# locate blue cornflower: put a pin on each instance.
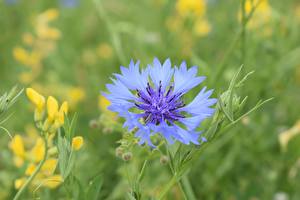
(151, 100)
(69, 3)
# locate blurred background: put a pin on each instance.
(70, 48)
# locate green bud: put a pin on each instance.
(164, 159)
(127, 156)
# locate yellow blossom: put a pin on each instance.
(17, 146)
(77, 143)
(53, 181)
(202, 27)
(38, 151)
(30, 169)
(75, 95)
(21, 55)
(37, 99)
(28, 39)
(286, 136)
(104, 51)
(261, 15)
(49, 167)
(19, 183)
(191, 7)
(52, 108)
(50, 14)
(103, 103)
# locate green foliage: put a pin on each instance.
(242, 158)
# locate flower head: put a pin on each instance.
(151, 100)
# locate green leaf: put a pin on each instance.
(94, 188)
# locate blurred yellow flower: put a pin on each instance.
(202, 27)
(262, 14)
(286, 136)
(17, 147)
(35, 98)
(77, 143)
(52, 108)
(75, 95)
(191, 7)
(28, 39)
(52, 182)
(49, 167)
(30, 169)
(49, 15)
(38, 151)
(105, 51)
(103, 103)
(19, 182)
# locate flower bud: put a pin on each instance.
(164, 159)
(94, 124)
(119, 151)
(77, 143)
(127, 156)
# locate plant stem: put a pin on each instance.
(36, 171)
(166, 189)
(115, 39)
(243, 33)
(188, 188)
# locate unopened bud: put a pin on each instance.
(93, 124)
(119, 151)
(127, 156)
(164, 159)
(107, 130)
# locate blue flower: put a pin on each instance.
(69, 3)
(151, 101)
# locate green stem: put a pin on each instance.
(115, 39)
(243, 34)
(221, 67)
(188, 188)
(167, 187)
(36, 171)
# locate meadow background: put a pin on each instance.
(71, 51)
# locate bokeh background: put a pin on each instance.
(70, 48)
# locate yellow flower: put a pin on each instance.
(286, 136)
(28, 39)
(103, 103)
(19, 183)
(75, 95)
(77, 143)
(50, 14)
(104, 51)
(47, 33)
(37, 152)
(30, 169)
(202, 27)
(35, 98)
(191, 7)
(261, 15)
(53, 181)
(52, 108)
(60, 117)
(17, 146)
(49, 167)
(21, 55)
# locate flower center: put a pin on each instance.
(159, 105)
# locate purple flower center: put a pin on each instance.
(159, 105)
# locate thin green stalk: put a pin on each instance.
(188, 188)
(243, 34)
(167, 187)
(115, 39)
(36, 171)
(221, 67)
